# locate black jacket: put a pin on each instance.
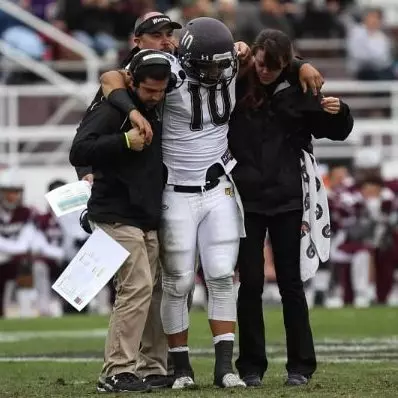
(267, 144)
(83, 171)
(128, 185)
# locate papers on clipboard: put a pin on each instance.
(69, 198)
(91, 269)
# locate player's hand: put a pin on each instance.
(89, 178)
(331, 105)
(143, 125)
(136, 139)
(243, 51)
(310, 78)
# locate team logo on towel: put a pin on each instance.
(307, 201)
(318, 184)
(305, 228)
(326, 232)
(311, 251)
(318, 211)
(305, 175)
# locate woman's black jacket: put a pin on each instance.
(267, 143)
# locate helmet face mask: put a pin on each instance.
(209, 72)
(206, 52)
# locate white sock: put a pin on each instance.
(223, 337)
(179, 349)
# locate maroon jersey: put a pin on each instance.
(13, 224)
(48, 225)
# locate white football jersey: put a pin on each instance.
(195, 128)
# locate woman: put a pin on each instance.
(272, 124)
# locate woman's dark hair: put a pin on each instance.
(278, 53)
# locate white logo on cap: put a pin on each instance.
(161, 19)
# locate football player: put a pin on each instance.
(201, 208)
(16, 232)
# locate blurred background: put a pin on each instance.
(52, 53)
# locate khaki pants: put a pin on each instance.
(153, 354)
(134, 284)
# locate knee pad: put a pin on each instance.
(174, 313)
(178, 284)
(222, 299)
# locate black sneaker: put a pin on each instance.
(296, 379)
(252, 380)
(159, 381)
(122, 382)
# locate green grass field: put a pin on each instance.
(357, 352)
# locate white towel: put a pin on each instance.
(315, 228)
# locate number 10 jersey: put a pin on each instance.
(195, 128)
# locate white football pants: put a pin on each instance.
(209, 222)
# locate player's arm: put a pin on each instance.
(114, 86)
(42, 248)
(21, 244)
(244, 57)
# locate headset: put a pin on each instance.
(146, 58)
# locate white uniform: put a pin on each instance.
(195, 127)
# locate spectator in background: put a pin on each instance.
(16, 235)
(271, 15)
(322, 21)
(19, 36)
(369, 49)
(227, 12)
(90, 22)
(185, 10)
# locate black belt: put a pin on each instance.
(196, 189)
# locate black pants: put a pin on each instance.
(284, 230)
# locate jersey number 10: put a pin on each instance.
(197, 106)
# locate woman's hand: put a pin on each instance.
(331, 105)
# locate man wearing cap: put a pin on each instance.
(155, 30)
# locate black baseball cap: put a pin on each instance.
(153, 22)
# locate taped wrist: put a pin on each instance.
(121, 99)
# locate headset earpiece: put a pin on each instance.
(172, 83)
(147, 58)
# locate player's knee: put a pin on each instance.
(219, 271)
(178, 284)
(222, 299)
(220, 286)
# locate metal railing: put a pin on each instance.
(19, 143)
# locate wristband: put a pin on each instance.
(121, 99)
(127, 140)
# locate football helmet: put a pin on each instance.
(11, 188)
(206, 51)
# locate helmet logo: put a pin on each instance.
(187, 40)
